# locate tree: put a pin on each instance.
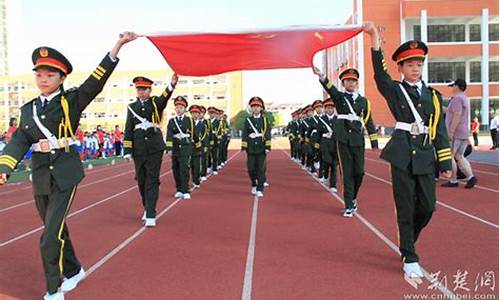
(239, 119)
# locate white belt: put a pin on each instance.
(411, 128)
(145, 126)
(254, 135)
(45, 145)
(349, 117)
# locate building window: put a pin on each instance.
(474, 32)
(183, 81)
(198, 97)
(442, 72)
(441, 33)
(446, 33)
(493, 70)
(198, 81)
(475, 71)
(493, 32)
(416, 33)
(475, 108)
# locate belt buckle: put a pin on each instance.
(44, 145)
(414, 129)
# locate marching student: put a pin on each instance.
(354, 115)
(181, 140)
(47, 126)
(200, 131)
(143, 141)
(420, 133)
(316, 138)
(328, 144)
(213, 154)
(256, 141)
(205, 142)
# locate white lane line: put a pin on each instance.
(79, 188)
(136, 234)
(126, 242)
(443, 289)
(247, 281)
(475, 171)
(444, 205)
(12, 240)
(29, 187)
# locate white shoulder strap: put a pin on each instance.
(177, 125)
(141, 119)
(326, 124)
(253, 127)
(416, 115)
(46, 132)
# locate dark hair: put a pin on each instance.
(11, 121)
(52, 69)
(413, 58)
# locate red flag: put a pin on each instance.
(202, 54)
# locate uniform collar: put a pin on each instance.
(354, 95)
(142, 101)
(256, 116)
(418, 84)
(50, 97)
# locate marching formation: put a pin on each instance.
(326, 137)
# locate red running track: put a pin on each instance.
(303, 247)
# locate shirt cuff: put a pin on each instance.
(113, 59)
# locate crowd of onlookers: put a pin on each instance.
(90, 144)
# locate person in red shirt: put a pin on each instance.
(80, 143)
(474, 128)
(11, 130)
(100, 140)
(118, 140)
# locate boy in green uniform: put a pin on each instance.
(354, 115)
(256, 141)
(328, 144)
(181, 139)
(199, 125)
(205, 143)
(420, 133)
(47, 126)
(143, 141)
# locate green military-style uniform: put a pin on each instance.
(226, 138)
(309, 142)
(349, 130)
(307, 149)
(200, 132)
(56, 164)
(328, 145)
(411, 150)
(256, 141)
(293, 130)
(205, 142)
(181, 140)
(143, 140)
(221, 132)
(213, 155)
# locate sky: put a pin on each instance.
(85, 30)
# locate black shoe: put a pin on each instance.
(471, 182)
(461, 175)
(450, 184)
